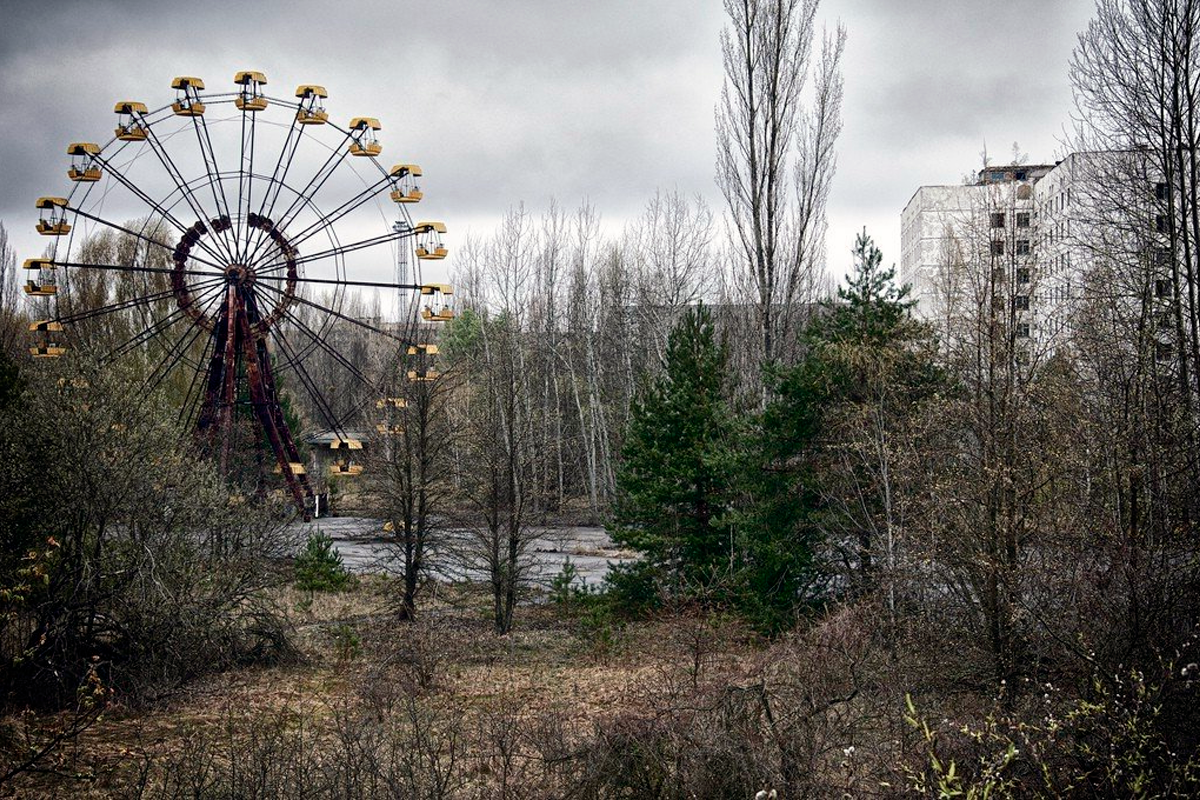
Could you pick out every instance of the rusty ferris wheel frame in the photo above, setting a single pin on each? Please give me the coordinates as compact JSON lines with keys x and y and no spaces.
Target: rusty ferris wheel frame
{"x":238,"y":273}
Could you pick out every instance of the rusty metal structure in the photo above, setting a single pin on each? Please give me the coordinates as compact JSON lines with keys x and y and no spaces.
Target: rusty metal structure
{"x":218,"y":276}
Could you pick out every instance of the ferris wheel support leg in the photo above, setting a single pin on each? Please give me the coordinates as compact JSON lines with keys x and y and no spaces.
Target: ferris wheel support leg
{"x":234,"y":311}
{"x":270,"y":417}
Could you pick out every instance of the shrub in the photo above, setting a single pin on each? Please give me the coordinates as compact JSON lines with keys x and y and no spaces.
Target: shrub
{"x":319,"y":566}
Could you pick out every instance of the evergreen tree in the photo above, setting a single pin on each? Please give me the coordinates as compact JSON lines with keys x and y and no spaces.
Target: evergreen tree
{"x":674,"y":483}
{"x":778,"y":494}
{"x":870,"y":308}
{"x":877,"y":366}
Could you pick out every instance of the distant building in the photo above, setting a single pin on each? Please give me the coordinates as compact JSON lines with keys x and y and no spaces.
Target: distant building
{"x":979,"y":243}
{"x":1020,"y":241}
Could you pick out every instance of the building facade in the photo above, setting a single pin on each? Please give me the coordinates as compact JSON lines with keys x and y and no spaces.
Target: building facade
{"x":1021,"y":245}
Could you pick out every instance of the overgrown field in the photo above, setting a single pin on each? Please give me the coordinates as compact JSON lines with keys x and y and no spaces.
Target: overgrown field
{"x":573,"y":703}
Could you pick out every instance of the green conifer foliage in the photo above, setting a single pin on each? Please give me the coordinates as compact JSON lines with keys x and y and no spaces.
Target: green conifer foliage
{"x":675,"y":484}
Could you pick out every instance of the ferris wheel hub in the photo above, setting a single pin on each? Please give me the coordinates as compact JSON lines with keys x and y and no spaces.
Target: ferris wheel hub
{"x":239,"y":274}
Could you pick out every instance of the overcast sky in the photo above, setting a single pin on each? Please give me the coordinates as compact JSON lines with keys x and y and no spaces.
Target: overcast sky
{"x":525,"y":100}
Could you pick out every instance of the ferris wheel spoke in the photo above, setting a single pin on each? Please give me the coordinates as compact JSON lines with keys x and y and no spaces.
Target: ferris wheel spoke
{"x":341,"y":211}
{"x":160,"y":209}
{"x":243,"y":234}
{"x":287,"y":154}
{"x":310,"y":385}
{"x":337,"y":282}
{"x":333,"y":352}
{"x":191,"y":401}
{"x":296,"y":363}
{"x":338,"y":314}
{"x":120,"y":305}
{"x":209,"y":154}
{"x":161,"y":325}
{"x":172,"y":170}
{"x":129,"y":268}
{"x":141,"y":236}
{"x":173,"y":355}
{"x":305,"y":195}
{"x":342,"y":249}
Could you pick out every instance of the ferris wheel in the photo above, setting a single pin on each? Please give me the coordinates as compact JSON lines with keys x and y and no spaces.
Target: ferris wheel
{"x":217,"y":238}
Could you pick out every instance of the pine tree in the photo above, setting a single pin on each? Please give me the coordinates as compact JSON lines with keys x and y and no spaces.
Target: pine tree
{"x":877,"y":366}
{"x":674,"y":483}
{"x":870,"y":307}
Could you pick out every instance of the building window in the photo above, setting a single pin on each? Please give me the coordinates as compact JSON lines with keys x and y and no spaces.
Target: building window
{"x":1021,"y":302}
{"x":1022,"y":219}
{"x":998,"y":248}
{"x":1162,"y":351}
{"x":997,"y":274}
{"x":1160,"y":223}
{"x":1022,"y":247}
{"x":1022,"y":330}
{"x":998,"y":219}
{"x":1162,"y":287}
{"x":1160,"y":191}
{"x":1165,"y":320}
{"x":1162,"y":257}
{"x":1022,"y":274}
{"x":1021,"y":175}
{"x":996,"y":176}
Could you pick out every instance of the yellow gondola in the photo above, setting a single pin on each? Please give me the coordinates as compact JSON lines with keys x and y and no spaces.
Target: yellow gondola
{"x":391,"y":402}
{"x":345,"y":470}
{"x":366,"y":143}
{"x":383,"y":429}
{"x":131,"y":128}
{"x":296,"y":467}
{"x":187,"y":102}
{"x":53,"y":222}
{"x":348,"y":444}
{"x":429,"y":240}
{"x":423,"y":376}
{"x":44,"y":283}
{"x":83,"y":163}
{"x":423,"y":349}
{"x":251,"y":97}
{"x":405,"y":178}
{"x":47,"y":345}
{"x":311,"y":110}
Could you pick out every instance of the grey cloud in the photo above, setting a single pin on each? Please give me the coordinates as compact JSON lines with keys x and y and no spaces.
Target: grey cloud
{"x":524,"y":100}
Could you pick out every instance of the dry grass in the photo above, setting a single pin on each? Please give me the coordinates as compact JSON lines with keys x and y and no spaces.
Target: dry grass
{"x":353,"y":650}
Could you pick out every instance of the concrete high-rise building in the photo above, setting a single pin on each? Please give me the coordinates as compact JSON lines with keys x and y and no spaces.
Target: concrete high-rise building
{"x":1020,"y":243}
{"x":1038,"y":260}
{"x":1015,"y":242}
{"x":977,"y":246}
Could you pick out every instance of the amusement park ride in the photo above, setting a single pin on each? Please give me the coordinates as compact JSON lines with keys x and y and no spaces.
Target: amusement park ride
{"x":248,"y":252}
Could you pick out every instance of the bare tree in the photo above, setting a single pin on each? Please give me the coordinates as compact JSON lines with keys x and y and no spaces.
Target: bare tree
{"x":991,"y":445}
{"x":497,"y":415}
{"x":11,"y":316}
{"x":671,"y":248}
{"x":1136,"y":75}
{"x":409,"y":473}
{"x":775,"y":155}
